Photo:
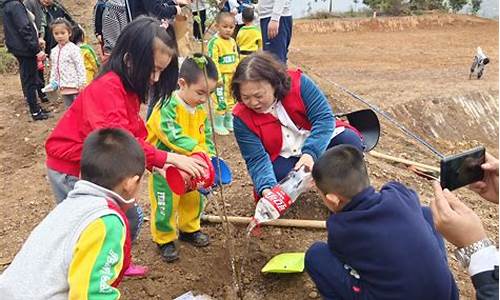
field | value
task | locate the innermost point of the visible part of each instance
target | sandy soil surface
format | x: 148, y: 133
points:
x: 414, y: 68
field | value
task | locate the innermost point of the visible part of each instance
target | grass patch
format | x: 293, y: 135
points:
x: 8, y: 63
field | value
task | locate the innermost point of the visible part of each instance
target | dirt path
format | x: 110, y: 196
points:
x: 419, y: 74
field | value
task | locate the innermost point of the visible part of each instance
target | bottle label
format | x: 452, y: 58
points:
x: 279, y: 199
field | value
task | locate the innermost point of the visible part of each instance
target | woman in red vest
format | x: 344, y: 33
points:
x: 282, y: 120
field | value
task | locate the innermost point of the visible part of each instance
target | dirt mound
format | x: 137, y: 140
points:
x: 386, y: 23
x: 471, y: 117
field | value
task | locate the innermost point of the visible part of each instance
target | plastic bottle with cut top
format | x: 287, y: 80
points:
x: 281, y: 197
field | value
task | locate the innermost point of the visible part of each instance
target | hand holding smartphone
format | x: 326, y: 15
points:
x: 462, y: 169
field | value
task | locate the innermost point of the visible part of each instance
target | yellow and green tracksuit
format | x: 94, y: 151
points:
x: 225, y: 55
x: 97, y: 260
x: 176, y: 127
x: 249, y: 40
x: 90, y: 62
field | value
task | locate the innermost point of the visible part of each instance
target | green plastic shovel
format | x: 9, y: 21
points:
x: 285, y: 263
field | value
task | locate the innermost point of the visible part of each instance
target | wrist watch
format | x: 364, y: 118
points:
x: 464, y: 254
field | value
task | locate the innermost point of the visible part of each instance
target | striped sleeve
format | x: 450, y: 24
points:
x: 97, y: 260
x: 165, y: 126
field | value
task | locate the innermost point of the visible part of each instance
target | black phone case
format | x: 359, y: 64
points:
x: 462, y: 169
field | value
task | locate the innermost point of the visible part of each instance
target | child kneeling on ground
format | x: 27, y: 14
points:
x: 381, y: 245
x: 81, y: 249
x: 180, y: 124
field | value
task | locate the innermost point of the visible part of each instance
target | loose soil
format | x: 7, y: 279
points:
x: 414, y: 68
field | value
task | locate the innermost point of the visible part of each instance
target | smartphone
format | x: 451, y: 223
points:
x: 462, y: 169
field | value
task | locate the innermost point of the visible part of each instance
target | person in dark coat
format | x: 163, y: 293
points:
x: 21, y: 39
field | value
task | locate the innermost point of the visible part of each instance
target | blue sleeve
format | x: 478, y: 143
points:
x: 258, y: 162
x: 320, y: 115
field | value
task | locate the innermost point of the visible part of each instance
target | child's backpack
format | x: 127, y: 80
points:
x: 89, y: 49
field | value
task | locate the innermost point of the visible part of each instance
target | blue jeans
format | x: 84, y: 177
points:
x: 282, y: 166
x: 279, y: 44
x: 333, y: 280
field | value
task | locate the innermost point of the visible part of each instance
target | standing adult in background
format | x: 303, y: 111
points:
x: 45, y: 12
x: 198, y: 7
x: 22, y: 41
x: 276, y: 26
x: 160, y: 9
x: 34, y: 7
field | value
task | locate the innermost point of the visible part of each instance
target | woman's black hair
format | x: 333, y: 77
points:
x: 78, y: 35
x: 262, y: 66
x: 132, y: 59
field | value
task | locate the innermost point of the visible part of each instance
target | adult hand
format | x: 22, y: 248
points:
x: 305, y: 160
x: 272, y: 29
x: 41, y: 55
x: 488, y: 187
x: 454, y: 220
x: 192, y: 166
x: 41, y: 43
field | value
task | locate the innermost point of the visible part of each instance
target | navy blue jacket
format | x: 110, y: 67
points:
x: 20, y: 34
x: 386, y: 239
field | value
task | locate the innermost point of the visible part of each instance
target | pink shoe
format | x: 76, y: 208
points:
x: 136, y: 270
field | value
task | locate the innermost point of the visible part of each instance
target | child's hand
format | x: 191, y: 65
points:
x: 192, y: 166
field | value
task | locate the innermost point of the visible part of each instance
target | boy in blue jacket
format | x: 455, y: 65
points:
x: 381, y: 245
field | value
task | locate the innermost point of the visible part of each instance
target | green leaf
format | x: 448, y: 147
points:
x: 201, y: 62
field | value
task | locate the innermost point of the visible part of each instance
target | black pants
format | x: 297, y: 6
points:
x: 196, y: 29
x: 30, y: 81
x: 41, y: 84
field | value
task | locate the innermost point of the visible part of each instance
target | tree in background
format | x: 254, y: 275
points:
x: 475, y: 6
x: 456, y: 5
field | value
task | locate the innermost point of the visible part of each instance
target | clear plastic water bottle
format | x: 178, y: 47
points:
x: 281, y: 197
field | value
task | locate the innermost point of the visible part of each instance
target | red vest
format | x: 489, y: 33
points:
x: 268, y: 128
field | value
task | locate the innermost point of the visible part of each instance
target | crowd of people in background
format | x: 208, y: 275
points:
x: 381, y: 244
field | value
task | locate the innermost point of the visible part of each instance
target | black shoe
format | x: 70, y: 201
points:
x: 197, y: 238
x: 39, y: 116
x: 169, y: 252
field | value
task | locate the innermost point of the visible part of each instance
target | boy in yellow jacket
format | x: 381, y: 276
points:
x: 180, y: 124
x: 223, y: 50
x: 249, y: 38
